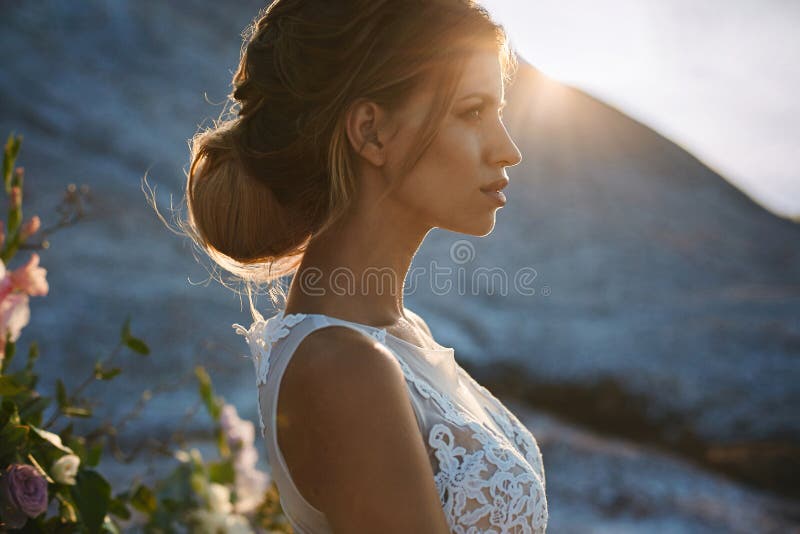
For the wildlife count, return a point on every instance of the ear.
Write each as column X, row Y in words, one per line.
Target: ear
column 365, row 126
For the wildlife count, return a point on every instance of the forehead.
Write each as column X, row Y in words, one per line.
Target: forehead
column 482, row 73
column 482, row 77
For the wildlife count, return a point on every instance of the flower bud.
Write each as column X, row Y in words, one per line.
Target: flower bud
column 219, row 498
column 65, row 468
column 16, row 197
column 30, row 227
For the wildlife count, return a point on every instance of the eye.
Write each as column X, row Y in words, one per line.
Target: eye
column 474, row 113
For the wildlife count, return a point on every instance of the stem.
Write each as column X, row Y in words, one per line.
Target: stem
column 89, row 379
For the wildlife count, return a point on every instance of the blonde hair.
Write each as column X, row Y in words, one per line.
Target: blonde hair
column 277, row 168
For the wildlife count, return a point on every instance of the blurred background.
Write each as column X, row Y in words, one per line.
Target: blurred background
column 657, row 361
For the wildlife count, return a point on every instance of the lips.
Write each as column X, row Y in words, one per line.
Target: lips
column 497, row 185
column 497, row 197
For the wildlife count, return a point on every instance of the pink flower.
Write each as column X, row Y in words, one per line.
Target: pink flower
column 251, row 486
column 14, row 310
column 250, row 483
column 30, row 227
column 23, row 492
column 238, row 432
column 14, row 316
column 5, row 282
column 30, row 278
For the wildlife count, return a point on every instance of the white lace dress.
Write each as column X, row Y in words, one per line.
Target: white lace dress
column 488, row 467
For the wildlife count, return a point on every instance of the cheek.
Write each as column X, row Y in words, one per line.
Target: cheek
column 446, row 178
column 444, row 174
column 453, row 159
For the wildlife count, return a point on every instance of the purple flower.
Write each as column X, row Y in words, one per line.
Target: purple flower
column 238, row 432
column 23, row 492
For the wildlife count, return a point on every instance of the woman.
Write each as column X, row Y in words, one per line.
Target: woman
column 359, row 127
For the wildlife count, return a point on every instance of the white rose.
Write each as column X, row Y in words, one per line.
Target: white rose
column 219, row 498
column 237, row 524
column 208, row 522
column 65, row 468
column 251, row 486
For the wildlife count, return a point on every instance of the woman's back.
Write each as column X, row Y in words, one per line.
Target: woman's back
column 485, row 466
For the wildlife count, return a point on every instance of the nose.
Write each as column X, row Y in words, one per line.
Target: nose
column 507, row 154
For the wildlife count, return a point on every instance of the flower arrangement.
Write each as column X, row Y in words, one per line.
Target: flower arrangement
column 50, row 479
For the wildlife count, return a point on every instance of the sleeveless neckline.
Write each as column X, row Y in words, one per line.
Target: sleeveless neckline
column 282, row 316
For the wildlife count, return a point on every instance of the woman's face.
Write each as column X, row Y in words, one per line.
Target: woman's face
column 446, row 189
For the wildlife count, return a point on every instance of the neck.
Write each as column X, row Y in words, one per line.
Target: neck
column 356, row 269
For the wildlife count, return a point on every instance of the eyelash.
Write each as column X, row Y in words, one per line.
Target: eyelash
column 469, row 113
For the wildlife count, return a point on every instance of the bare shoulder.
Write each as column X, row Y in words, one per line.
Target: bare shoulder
column 350, row 438
column 414, row 316
column 341, row 350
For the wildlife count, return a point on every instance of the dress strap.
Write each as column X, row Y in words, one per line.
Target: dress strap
column 264, row 333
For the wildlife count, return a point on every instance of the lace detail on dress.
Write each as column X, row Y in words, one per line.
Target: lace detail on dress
column 488, row 483
column 506, row 420
column 499, row 499
column 260, row 337
column 263, row 334
column 510, row 498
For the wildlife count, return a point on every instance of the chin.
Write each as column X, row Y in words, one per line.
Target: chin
column 485, row 232
column 477, row 227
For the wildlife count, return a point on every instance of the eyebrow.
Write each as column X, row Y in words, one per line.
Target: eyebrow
column 486, row 97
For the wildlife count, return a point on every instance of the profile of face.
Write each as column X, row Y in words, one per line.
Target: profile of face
column 447, row 187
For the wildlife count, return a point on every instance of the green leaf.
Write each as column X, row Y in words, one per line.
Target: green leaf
column 9, row 386
column 13, row 438
column 67, row 434
column 119, row 508
column 95, row 452
column 61, row 393
column 50, row 437
column 105, row 374
column 32, row 412
column 78, row 446
column 207, row 393
column 11, row 347
column 77, row 411
column 144, row 500
column 137, row 345
column 33, row 355
column 133, row 343
column 26, row 379
column 9, row 413
column 92, row 497
column 222, row 442
column 222, row 472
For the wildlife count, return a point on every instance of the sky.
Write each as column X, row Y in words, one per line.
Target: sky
column 719, row 78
